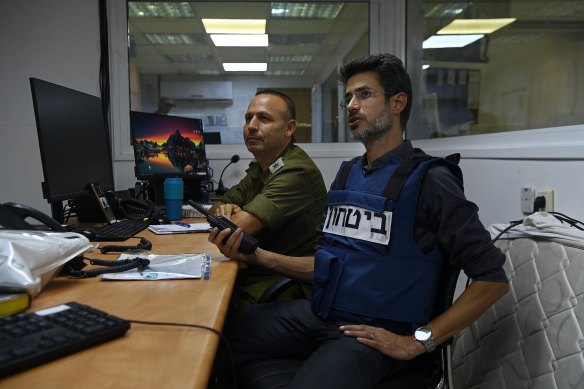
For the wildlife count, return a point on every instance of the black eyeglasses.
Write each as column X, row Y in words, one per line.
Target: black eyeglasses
column 361, row 95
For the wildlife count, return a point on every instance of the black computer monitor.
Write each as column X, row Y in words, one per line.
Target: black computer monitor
column 74, row 143
column 167, row 146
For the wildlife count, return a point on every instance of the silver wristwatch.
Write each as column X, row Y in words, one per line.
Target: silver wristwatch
column 424, row 336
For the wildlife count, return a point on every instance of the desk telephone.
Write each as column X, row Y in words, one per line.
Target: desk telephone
column 112, row 205
column 15, row 216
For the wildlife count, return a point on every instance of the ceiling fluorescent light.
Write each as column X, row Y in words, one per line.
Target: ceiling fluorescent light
column 240, row 40
column 170, row 39
column 475, row 26
column 290, row 58
column 285, row 72
column 443, row 41
column 152, row 9
column 245, row 67
column 235, row 26
column 305, row 10
column 437, row 10
column 208, row 72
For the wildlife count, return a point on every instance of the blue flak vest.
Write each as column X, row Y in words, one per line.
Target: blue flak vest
column 370, row 266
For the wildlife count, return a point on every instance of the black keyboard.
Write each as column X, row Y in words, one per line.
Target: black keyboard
column 30, row 339
column 120, row 229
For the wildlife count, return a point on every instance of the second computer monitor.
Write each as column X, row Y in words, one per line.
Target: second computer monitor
column 167, row 146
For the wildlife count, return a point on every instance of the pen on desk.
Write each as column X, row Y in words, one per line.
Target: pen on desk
column 186, row 225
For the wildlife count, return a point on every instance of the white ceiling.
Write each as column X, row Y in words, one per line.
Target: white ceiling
column 324, row 39
column 320, row 39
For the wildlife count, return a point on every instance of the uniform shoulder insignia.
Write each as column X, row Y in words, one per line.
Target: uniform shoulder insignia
column 277, row 165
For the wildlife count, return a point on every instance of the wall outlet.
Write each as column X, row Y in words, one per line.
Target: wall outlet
column 527, row 199
column 548, row 194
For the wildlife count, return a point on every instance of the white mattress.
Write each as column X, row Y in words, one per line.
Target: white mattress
column 543, row 226
column 532, row 337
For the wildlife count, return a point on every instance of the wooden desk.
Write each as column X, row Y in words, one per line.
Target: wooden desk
column 148, row 356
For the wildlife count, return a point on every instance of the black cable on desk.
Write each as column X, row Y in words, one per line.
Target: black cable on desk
column 221, row 336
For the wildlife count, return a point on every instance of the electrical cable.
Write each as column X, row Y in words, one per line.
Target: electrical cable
column 144, row 244
column 512, row 224
column 67, row 213
column 144, row 187
column 221, row 337
column 109, row 266
column 104, row 77
column 567, row 219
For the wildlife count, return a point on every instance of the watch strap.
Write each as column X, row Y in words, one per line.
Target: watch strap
column 429, row 344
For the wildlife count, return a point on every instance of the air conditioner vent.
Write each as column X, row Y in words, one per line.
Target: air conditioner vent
column 196, row 90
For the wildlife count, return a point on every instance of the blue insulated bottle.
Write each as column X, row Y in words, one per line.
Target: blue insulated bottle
column 173, row 197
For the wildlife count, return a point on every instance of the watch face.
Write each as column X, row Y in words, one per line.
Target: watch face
column 423, row 334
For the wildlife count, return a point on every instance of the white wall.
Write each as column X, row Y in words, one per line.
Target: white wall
column 494, row 184
column 495, row 167
column 57, row 41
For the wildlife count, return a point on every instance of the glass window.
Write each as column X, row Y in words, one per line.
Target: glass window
column 180, row 64
column 491, row 66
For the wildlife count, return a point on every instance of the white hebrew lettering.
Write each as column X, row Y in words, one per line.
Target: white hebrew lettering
column 348, row 220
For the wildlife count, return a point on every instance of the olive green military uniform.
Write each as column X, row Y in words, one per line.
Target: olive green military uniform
column 289, row 198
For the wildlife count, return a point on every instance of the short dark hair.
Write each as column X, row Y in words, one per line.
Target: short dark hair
column 291, row 107
column 392, row 75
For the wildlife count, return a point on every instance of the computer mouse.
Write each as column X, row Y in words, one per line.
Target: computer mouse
column 164, row 220
column 160, row 220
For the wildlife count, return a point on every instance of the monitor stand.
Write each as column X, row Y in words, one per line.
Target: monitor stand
column 58, row 212
column 192, row 189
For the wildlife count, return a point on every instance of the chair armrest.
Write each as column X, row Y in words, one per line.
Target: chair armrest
column 276, row 289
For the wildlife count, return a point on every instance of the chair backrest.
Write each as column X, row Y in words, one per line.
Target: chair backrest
column 276, row 289
column 430, row 370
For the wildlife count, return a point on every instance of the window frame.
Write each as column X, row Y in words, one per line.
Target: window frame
column 387, row 34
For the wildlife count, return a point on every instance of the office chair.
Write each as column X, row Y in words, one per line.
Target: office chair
column 275, row 290
column 427, row 371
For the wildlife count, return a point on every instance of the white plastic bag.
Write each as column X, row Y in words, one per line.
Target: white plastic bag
column 30, row 259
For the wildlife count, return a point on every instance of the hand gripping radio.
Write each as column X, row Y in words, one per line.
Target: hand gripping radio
column 249, row 243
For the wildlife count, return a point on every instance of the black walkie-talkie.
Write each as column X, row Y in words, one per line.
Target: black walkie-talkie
column 249, row 243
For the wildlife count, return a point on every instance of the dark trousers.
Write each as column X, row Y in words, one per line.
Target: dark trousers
column 290, row 330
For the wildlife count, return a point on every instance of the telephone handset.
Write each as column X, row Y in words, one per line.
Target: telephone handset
column 14, row 215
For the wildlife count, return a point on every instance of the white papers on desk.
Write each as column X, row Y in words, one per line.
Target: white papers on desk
column 165, row 267
column 161, row 229
column 189, row 211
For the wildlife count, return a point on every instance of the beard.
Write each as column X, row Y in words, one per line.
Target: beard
column 374, row 131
